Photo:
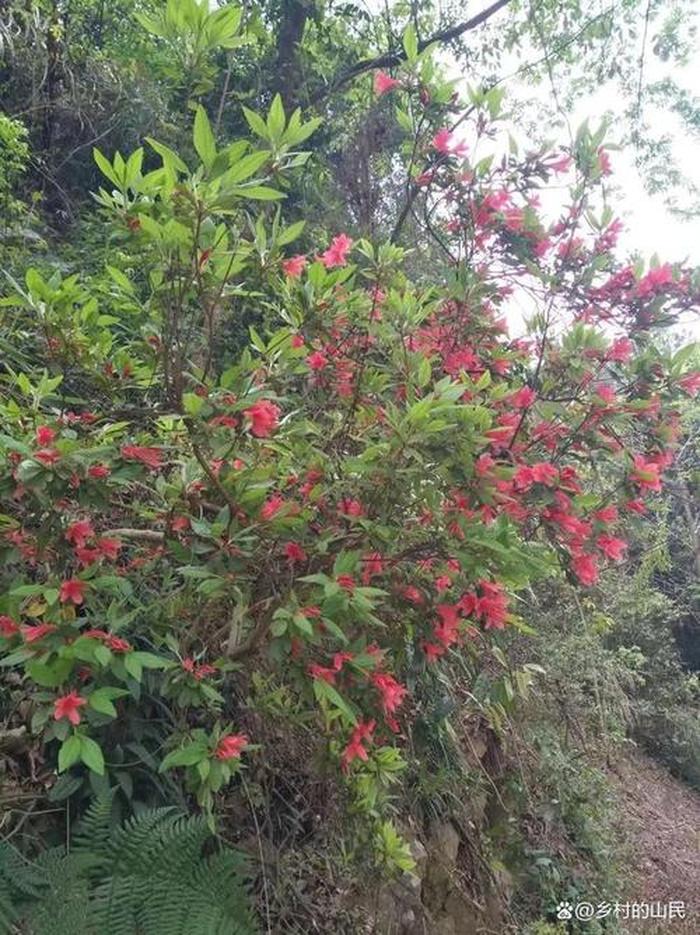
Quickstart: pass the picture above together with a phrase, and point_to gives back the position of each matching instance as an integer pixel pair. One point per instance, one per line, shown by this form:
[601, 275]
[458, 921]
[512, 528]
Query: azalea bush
[358, 494]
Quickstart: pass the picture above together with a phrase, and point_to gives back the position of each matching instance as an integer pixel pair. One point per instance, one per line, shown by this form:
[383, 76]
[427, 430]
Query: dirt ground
[662, 822]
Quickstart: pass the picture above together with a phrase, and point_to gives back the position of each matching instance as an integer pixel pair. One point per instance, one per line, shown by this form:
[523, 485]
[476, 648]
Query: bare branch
[390, 59]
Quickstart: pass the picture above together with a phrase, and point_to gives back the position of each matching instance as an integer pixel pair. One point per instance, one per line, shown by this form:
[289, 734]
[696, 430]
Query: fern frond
[94, 830]
[148, 876]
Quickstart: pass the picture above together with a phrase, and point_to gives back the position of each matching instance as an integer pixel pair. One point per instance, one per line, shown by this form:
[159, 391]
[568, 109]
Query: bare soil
[661, 817]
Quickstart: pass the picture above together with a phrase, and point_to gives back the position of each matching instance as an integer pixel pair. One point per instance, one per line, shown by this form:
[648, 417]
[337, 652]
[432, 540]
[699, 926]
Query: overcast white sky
[650, 227]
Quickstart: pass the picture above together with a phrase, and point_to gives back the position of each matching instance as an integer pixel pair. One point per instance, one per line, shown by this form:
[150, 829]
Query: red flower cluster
[68, 707]
[355, 749]
[198, 671]
[231, 746]
[264, 418]
[151, 457]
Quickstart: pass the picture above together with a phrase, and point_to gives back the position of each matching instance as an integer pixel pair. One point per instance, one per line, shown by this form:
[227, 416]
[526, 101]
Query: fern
[149, 876]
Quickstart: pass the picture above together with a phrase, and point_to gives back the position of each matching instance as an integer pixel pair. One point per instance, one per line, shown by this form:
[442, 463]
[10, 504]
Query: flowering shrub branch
[355, 496]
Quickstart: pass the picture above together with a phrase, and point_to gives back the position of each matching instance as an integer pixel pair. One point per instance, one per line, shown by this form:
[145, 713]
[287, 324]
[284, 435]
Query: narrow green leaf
[204, 141]
[69, 752]
[91, 755]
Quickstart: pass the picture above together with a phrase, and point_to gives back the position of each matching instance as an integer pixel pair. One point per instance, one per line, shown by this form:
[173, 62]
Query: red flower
[444, 142]
[294, 552]
[294, 266]
[87, 556]
[372, 564]
[96, 634]
[72, 590]
[322, 673]
[350, 507]
[524, 398]
[443, 583]
[447, 631]
[98, 471]
[412, 594]
[151, 457]
[347, 582]
[271, 507]
[355, 750]
[337, 253]
[69, 706]
[620, 350]
[317, 360]
[117, 644]
[48, 456]
[37, 632]
[44, 436]
[231, 746]
[585, 568]
[79, 531]
[607, 514]
[203, 671]
[560, 164]
[392, 692]
[483, 465]
[109, 548]
[646, 474]
[690, 383]
[339, 660]
[297, 341]
[8, 627]
[384, 83]
[544, 473]
[492, 606]
[611, 547]
[264, 418]
[433, 651]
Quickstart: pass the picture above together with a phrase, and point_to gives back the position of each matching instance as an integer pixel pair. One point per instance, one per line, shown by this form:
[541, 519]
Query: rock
[444, 842]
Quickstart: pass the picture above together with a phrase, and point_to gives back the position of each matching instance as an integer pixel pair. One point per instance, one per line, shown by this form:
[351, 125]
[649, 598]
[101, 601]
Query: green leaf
[91, 755]
[49, 676]
[186, 756]
[150, 660]
[323, 690]
[410, 43]
[69, 752]
[276, 119]
[133, 666]
[120, 279]
[424, 372]
[19, 655]
[102, 655]
[259, 192]
[204, 141]
[169, 156]
[245, 167]
[100, 701]
[64, 787]
[192, 404]
[290, 233]
[105, 167]
[256, 123]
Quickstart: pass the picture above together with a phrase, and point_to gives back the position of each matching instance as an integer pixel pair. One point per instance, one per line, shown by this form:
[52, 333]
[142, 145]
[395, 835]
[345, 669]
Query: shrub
[354, 499]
